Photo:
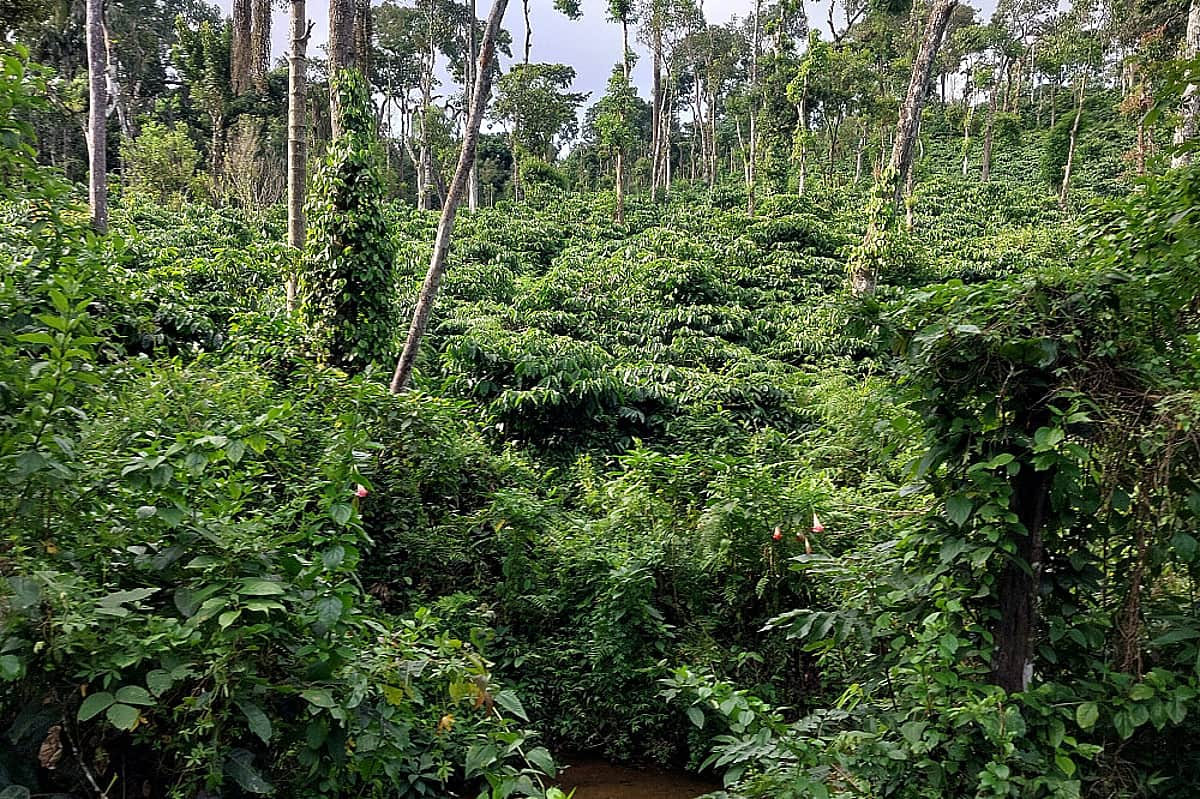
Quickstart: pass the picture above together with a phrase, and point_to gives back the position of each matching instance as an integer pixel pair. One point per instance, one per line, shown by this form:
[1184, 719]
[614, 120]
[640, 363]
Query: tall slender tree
[864, 262]
[343, 51]
[97, 116]
[441, 243]
[301, 28]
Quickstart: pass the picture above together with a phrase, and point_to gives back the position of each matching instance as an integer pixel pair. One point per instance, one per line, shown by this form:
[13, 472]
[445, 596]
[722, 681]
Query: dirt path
[595, 779]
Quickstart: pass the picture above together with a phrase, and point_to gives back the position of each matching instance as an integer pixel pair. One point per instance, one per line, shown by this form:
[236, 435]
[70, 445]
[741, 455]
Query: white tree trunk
[441, 243]
[297, 136]
[1191, 95]
[97, 117]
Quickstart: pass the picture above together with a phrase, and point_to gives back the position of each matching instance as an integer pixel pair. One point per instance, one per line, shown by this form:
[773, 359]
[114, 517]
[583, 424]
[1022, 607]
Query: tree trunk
[918, 87]
[862, 267]
[1012, 659]
[472, 79]
[528, 31]
[1066, 183]
[341, 53]
[655, 114]
[97, 119]
[260, 44]
[985, 170]
[297, 136]
[754, 99]
[1191, 95]
[240, 47]
[441, 244]
[620, 160]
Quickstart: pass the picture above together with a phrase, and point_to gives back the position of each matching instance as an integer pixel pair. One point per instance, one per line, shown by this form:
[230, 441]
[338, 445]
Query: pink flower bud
[817, 527]
[360, 491]
[777, 535]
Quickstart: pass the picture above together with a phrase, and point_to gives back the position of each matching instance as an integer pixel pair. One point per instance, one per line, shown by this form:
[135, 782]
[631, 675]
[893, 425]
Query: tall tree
[1190, 113]
[297, 145]
[343, 50]
[918, 89]
[533, 99]
[622, 11]
[260, 44]
[863, 264]
[97, 116]
[241, 49]
[441, 243]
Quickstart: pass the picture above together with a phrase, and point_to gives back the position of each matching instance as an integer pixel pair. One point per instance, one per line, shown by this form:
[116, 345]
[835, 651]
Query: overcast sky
[592, 44]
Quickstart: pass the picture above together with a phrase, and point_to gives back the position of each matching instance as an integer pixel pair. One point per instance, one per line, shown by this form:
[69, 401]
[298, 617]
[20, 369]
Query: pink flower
[360, 491]
[777, 535]
[817, 527]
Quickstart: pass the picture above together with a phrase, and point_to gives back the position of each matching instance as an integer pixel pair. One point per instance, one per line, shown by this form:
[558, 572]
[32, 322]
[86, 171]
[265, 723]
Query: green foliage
[161, 163]
[346, 278]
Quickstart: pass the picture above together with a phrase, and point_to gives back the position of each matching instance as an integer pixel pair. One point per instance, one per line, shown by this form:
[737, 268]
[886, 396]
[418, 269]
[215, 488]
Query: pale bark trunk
[441, 244]
[985, 170]
[620, 160]
[297, 136]
[754, 97]
[473, 178]
[862, 274]
[918, 86]
[97, 118]
[656, 115]
[1066, 183]
[1190, 112]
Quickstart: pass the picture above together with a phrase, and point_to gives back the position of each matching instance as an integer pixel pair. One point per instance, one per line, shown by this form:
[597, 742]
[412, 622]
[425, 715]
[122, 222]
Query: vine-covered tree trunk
[441, 243]
[918, 87]
[862, 267]
[297, 135]
[1190, 113]
[1020, 580]
[341, 52]
[97, 117]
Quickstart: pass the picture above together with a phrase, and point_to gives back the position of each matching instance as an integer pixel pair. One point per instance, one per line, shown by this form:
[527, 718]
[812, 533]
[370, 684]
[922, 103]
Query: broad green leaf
[329, 610]
[1086, 715]
[696, 716]
[541, 758]
[123, 717]
[260, 588]
[159, 681]
[1141, 692]
[10, 667]
[134, 695]
[340, 512]
[259, 724]
[958, 509]
[240, 767]
[479, 757]
[509, 701]
[95, 704]
[318, 697]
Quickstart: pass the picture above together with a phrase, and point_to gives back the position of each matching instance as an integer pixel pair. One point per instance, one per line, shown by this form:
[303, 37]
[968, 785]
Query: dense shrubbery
[668, 456]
